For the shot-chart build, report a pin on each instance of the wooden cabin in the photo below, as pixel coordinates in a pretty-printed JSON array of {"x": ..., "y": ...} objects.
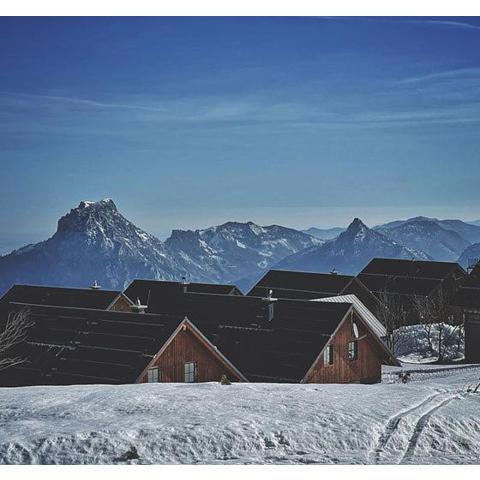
[
  {"x": 188, "y": 356},
  {"x": 68, "y": 345},
  {"x": 395, "y": 267},
  {"x": 279, "y": 340},
  {"x": 202, "y": 338},
  {"x": 310, "y": 285},
  {"x": 161, "y": 296},
  {"x": 95, "y": 297},
  {"x": 403, "y": 280}
]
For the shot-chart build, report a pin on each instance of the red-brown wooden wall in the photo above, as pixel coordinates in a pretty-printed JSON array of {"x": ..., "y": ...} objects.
[
  {"x": 366, "y": 369},
  {"x": 184, "y": 348},
  {"x": 121, "y": 305}
]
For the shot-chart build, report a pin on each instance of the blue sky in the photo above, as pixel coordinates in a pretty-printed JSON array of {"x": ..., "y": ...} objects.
[{"x": 188, "y": 122}]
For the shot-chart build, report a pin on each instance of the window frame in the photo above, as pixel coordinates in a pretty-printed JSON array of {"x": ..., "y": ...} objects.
[
  {"x": 190, "y": 371},
  {"x": 354, "y": 350},
  {"x": 150, "y": 375},
  {"x": 328, "y": 355}
]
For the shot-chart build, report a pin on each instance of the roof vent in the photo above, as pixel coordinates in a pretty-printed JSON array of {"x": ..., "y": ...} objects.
[
  {"x": 95, "y": 286},
  {"x": 185, "y": 284},
  {"x": 269, "y": 309},
  {"x": 137, "y": 307},
  {"x": 270, "y": 312}
]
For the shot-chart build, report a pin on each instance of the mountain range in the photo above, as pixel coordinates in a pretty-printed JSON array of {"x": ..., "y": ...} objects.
[
  {"x": 234, "y": 251},
  {"x": 350, "y": 251},
  {"x": 94, "y": 241}
]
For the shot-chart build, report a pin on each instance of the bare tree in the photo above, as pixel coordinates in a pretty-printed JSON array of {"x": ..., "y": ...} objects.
[
  {"x": 14, "y": 331},
  {"x": 435, "y": 315},
  {"x": 392, "y": 314}
]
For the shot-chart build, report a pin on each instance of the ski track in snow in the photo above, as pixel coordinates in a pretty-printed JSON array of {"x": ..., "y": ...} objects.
[
  {"x": 412, "y": 421},
  {"x": 419, "y": 427},
  {"x": 393, "y": 424}
]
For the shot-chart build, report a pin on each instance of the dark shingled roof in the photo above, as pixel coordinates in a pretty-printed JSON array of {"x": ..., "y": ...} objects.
[
  {"x": 161, "y": 295},
  {"x": 399, "y": 285},
  {"x": 413, "y": 268},
  {"x": 75, "y": 345},
  {"x": 267, "y": 341},
  {"x": 300, "y": 285},
  {"x": 61, "y": 297}
]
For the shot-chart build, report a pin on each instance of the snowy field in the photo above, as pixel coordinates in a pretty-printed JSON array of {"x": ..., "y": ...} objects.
[{"x": 432, "y": 419}]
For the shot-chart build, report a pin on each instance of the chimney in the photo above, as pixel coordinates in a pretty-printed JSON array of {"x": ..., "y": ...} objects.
[
  {"x": 269, "y": 310},
  {"x": 95, "y": 286},
  {"x": 137, "y": 307},
  {"x": 185, "y": 284}
]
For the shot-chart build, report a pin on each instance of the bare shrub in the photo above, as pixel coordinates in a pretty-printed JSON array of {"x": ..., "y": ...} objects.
[{"x": 13, "y": 332}]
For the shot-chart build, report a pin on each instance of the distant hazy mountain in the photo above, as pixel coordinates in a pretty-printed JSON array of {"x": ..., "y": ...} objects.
[
  {"x": 350, "y": 252},
  {"x": 92, "y": 242},
  {"x": 475, "y": 222},
  {"x": 95, "y": 242},
  {"x": 428, "y": 235},
  {"x": 324, "y": 233},
  {"x": 468, "y": 231},
  {"x": 233, "y": 251}
]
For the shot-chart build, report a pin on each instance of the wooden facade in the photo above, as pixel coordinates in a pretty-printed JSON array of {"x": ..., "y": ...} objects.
[
  {"x": 121, "y": 304},
  {"x": 366, "y": 368},
  {"x": 258, "y": 340},
  {"x": 188, "y": 346}
]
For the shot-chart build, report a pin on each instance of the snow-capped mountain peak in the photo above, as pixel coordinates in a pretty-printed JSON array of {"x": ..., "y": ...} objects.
[
  {"x": 89, "y": 216},
  {"x": 93, "y": 241},
  {"x": 235, "y": 250},
  {"x": 349, "y": 252}
]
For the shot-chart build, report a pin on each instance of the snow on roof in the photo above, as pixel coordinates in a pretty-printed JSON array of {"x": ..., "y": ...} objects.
[{"x": 362, "y": 310}]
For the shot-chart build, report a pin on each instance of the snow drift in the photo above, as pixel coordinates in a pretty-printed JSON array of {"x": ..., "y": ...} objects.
[{"x": 427, "y": 421}]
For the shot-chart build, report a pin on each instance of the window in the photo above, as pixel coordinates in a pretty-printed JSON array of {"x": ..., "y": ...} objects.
[
  {"x": 328, "y": 355},
  {"x": 153, "y": 375},
  {"x": 190, "y": 372},
  {"x": 353, "y": 350}
]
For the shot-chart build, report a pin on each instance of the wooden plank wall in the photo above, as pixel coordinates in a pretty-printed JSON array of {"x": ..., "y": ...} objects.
[
  {"x": 366, "y": 369},
  {"x": 184, "y": 348},
  {"x": 121, "y": 305}
]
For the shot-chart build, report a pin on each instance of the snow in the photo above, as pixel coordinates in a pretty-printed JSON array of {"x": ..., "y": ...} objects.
[
  {"x": 432, "y": 419},
  {"x": 412, "y": 343}
]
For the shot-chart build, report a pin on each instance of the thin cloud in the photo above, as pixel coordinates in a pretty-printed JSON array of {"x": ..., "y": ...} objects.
[
  {"x": 412, "y": 21},
  {"x": 82, "y": 101},
  {"x": 460, "y": 73},
  {"x": 230, "y": 113}
]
